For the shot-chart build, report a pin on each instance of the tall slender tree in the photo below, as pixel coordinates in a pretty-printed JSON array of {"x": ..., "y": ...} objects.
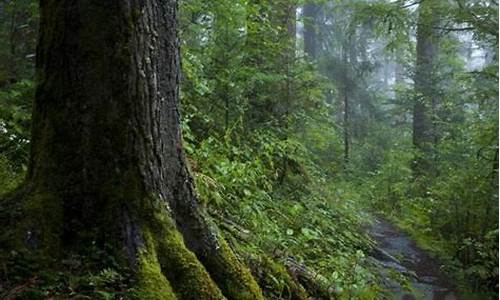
[{"x": 107, "y": 166}]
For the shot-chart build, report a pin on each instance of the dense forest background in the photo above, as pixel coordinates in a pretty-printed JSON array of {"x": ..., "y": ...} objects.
[{"x": 304, "y": 119}]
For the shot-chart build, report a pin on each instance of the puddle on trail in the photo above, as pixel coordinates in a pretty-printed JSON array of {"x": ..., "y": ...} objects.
[{"x": 397, "y": 252}]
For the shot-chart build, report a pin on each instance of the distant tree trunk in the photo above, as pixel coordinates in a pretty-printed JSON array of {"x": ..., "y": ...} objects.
[
  {"x": 490, "y": 54},
  {"x": 491, "y": 206},
  {"x": 287, "y": 20},
  {"x": 345, "y": 99},
  {"x": 107, "y": 165},
  {"x": 310, "y": 14},
  {"x": 386, "y": 73},
  {"x": 425, "y": 87},
  {"x": 270, "y": 51},
  {"x": 290, "y": 23},
  {"x": 399, "y": 72},
  {"x": 346, "y": 126}
]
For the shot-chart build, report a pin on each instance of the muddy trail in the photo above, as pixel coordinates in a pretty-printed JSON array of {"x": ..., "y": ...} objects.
[{"x": 397, "y": 253}]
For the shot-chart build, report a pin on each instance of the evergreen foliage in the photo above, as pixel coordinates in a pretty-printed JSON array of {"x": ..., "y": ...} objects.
[{"x": 294, "y": 154}]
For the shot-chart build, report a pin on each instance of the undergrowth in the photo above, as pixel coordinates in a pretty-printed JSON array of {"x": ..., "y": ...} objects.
[{"x": 272, "y": 200}]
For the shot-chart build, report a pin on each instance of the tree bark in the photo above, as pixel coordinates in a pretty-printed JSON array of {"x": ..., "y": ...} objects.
[{"x": 107, "y": 165}]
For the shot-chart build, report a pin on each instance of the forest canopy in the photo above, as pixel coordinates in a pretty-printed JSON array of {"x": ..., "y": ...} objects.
[{"x": 249, "y": 149}]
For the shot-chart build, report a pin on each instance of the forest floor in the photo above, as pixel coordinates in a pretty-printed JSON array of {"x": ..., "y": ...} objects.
[{"x": 397, "y": 253}]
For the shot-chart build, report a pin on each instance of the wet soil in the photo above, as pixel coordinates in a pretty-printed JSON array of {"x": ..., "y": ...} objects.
[{"x": 397, "y": 252}]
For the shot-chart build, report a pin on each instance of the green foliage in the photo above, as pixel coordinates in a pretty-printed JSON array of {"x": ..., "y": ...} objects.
[
  {"x": 9, "y": 176},
  {"x": 451, "y": 211},
  {"x": 15, "y": 116},
  {"x": 264, "y": 132},
  {"x": 457, "y": 209},
  {"x": 92, "y": 276},
  {"x": 18, "y": 31},
  {"x": 265, "y": 212}
]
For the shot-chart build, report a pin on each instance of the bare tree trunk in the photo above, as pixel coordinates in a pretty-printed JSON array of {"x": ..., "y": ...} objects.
[{"x": 107, "y": 164}]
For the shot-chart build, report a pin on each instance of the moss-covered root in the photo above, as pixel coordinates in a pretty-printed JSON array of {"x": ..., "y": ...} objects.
[
  {"x": 277, "y": 280},
  {"x": 168, "y": 270},
  {"x": 233, "y": 278},
  {"x": 152, "y": 284}
]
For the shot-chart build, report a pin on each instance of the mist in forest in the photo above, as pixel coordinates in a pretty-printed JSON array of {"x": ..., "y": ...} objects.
[{"x": 249, "y": 149}]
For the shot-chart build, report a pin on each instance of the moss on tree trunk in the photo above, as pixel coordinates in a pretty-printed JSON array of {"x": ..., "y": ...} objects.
[{"x": 107, "y": 166}]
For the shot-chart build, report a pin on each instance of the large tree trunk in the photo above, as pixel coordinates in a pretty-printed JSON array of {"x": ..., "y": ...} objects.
[
  {"x": 107, "y": 165},
  {"x": 425, "y": 87}
]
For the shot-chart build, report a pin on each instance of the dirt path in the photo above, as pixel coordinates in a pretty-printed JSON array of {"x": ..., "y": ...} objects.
[{"x": 397, "y": 252}]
